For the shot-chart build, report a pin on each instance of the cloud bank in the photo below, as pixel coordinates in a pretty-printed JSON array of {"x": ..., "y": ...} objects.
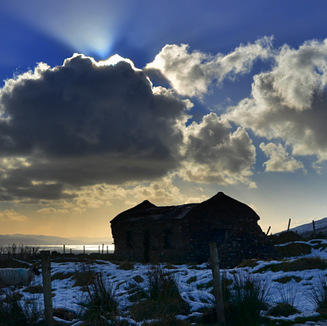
[
  {"x": 86, "y": 129},
  {"x": 87, "y": 123}
]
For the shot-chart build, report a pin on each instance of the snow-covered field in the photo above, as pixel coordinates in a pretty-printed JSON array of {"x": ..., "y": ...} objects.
[{"x": 193, "y": 283}]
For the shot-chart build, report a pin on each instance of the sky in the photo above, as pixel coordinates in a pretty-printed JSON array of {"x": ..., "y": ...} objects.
[{"x": 104, "y": 104}]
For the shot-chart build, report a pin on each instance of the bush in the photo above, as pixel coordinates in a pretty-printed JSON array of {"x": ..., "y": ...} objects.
[
  {"x": 126, "y": 265},
  {"x": 61, "y": 276},
  {"x": 84, "y": 278},
  {"x": 102, "y": 305},
  {"x": 283, "y": 309},
  {"x": 163, "y": 300},
  {"x": 12, "y": 312},
  {"x": 285, "y": 237},
  {"x": 286, "y": 279},
  {"x": 34, "y": 289},
  {"x": 294, "y": 249},
  {"x": 244, "y": 300},
  {"x": 285, "y": 306},
  {"x": 296, "y": 265},
  {"x": 318, "y": 295}
]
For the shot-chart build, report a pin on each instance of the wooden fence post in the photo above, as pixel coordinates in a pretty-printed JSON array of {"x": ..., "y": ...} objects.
[
  {"x": 46, "y": 276},
  {"x": 267, "y": 233},
  {"x": 217, "y": 284},
  {"x": 313, "y": 229},
  {"x": 289, "y": 225}
]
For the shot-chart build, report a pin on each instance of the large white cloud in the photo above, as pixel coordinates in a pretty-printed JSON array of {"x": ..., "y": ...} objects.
[
  {"x": 85, "y": 123},
  {"x": 289, "y": 102},
  {"x": 191, "y": 74}
]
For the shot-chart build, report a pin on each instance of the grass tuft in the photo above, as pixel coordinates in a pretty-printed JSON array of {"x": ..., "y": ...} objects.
[
  {"x": 61, "y": 276},
  {"x": 285, "y": 306},
  {"x": 34, "y": 289},
  {"x": 138, "y": 279},
  {"x": 163, "y": 300},
  {"x": 12, "y": 312},
  {"x": 318, "y": 295},
  {"x": 296, "y": 265},
  {"x": 283, "y": 309},
  {"x": 244, "y": 300},
  {"x": 286, "y": 279},
  {"x": 102, "y": 306},
  {"x": 294, "y": 249},
  {"x": 126, "y": 265}
]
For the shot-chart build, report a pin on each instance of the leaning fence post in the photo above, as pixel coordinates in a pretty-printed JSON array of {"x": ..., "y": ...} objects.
[
  {"x": 217, "y": 284},
  {"x": 267, "y": 233},
  {"x": 46, "y": 276},
  {"x": 289, "y": 225}
]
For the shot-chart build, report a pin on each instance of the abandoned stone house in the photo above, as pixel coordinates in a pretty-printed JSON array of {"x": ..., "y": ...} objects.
[{"x": 182, "y": 233}]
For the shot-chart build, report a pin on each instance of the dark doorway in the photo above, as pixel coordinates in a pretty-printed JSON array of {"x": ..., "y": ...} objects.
[{"x": 146, "y": 246}]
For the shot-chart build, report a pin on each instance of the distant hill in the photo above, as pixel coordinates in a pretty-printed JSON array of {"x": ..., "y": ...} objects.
[
  {"x": 306, "y": 229},
  {"x": 31, "y": 239}
]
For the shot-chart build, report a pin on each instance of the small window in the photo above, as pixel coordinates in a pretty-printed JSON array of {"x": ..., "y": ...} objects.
[
  {"x": 129, "y": 239},
  {"x": 167, "y": 239}
]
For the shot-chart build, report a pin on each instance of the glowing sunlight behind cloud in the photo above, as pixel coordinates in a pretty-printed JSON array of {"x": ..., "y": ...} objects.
[{"x": 81, "y": 25}]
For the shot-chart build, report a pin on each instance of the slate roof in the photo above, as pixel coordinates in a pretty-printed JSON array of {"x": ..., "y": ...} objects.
[{"x": 227, "y": 208}]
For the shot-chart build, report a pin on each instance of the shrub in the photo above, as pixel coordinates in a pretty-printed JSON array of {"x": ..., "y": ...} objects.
[
  {"x": 84, "y": 278},
  {"x": 296, "y": 265},
  {"x": 282, "y": 309},
  {"x": 285, "y": 237},
  {"x": 61, "y": 276},
  {"x": 294, "y": 249},
  {"x": 126, "y": 265},
  {"x": 191, "y": 279},
  {"x": 34, "y": 289},
  {"x": 248, "y": 263},
  {"x": 12, "y": 312},
  {"x": 102, "y": 305},
  {"x": 286, "y": 279},
  {"x": 318, "y": 295},
  {"x": 136, "y": 293},
  {"x": 138, "y": 279},
  {"x": 285, "y": 306},
  {"x": 163, "y": 300},
  {"x": 244, "y": 300}
]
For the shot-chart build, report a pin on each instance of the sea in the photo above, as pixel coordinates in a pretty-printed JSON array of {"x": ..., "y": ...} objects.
[
  {"x": 78, "y": 249},
  {"x": 75, "y": 249}
]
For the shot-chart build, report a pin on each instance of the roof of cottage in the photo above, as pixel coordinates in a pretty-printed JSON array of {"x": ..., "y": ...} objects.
[{"x": 228, "y": 209}]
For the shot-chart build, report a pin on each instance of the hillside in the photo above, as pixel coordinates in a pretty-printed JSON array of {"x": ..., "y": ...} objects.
[
  {"x": 296, "y": 280},
  {"x": 306, "y": 229}
]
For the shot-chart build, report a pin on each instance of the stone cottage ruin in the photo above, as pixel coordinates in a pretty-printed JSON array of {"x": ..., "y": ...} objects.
[{"x": 182, "y": 233}]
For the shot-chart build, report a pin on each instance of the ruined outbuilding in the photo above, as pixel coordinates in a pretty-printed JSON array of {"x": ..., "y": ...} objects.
[{"x": 182, "y": 233}]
